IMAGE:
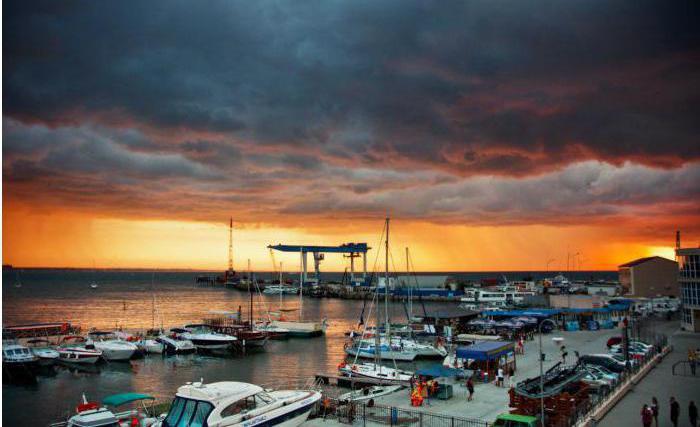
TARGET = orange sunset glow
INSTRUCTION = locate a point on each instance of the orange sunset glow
(488, 151)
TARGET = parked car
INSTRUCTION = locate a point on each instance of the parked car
(597, 382)
(609, 361)
(600, 370)
(515, 420)
(614, 341)
(634, 353)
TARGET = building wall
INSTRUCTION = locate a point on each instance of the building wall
(575, 301)
(625, 278)
(610, 291)
(689, 281)
(655, 277)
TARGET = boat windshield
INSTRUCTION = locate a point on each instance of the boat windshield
(188, 413)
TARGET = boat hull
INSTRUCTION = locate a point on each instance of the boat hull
(300, 329)
(385, 355)
(78, 357)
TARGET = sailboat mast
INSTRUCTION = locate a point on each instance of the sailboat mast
(230, 244)
(301, 283)
(386, 281)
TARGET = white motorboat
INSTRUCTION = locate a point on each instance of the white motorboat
(18, 359)
(112, 348)
(238, 404)
(174, 344)
(204, 338)
(402, 346)
(280, 289)
(151, 346)
(379, 372)
(300, 329)
(369, 393)
(93, 414)
(94, 285)
(75, 350)
(43, 350)
(367, 350)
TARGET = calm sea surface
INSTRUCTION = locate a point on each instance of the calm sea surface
(126, 299)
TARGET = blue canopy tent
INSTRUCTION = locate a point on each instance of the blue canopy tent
(487, 354)
(438, 370)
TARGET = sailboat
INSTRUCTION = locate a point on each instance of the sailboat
(299, 328)
(18, 282)
(376, 370)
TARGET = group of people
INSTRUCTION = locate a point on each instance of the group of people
(650, 413)
(422, 389)
(503, 374)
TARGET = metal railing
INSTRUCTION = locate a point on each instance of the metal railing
(683, 368)
(365, 414)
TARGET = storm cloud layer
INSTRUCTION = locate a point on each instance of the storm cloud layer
(491, 112)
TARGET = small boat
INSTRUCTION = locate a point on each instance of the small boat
(94, 285)
(301, 329)
(379, 372)
(95, 415)
(367, 350)
(18, 359)
(280, 289)
(75, 350)
(150, 346)
(204, 338)
(238, 404)
(369, 393)
(175, 345)
(112, 348)
(273, 332)
(43, 350)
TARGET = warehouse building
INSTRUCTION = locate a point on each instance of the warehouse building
(649, 277)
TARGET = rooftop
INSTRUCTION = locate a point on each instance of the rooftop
(643, 260)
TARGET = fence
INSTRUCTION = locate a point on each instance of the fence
(352, 413)
(604, 395)
(684, 368)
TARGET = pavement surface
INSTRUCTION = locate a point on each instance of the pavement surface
(489, 401)
(662, 384)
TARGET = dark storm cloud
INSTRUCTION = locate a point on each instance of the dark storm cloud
(424, 83)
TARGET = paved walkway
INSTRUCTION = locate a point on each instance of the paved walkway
(489, 400)
(662, 384)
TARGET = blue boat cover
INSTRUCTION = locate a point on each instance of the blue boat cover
(124, 398)
(438, 370)
(539, 313)
(485, 350)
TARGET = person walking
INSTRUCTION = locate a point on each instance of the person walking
(691, 360)
(470, 388)
(499, 378)
(693, 414)
(675, 411)
(655, 411)
(646, 415)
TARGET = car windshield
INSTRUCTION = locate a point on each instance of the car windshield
(187, 413)
(618, 358)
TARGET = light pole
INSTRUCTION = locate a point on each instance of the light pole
(539, 328)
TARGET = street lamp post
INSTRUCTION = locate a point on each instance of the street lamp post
(539, 328)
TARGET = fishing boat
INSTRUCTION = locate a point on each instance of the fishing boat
(74, 349)
(204, 338)
(112, 348)
(369, 393)
(43, 350)
(238, 404)
(174, 344)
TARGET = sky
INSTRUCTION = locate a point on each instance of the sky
(497, 135)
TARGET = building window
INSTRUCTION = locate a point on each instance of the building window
(687, 316)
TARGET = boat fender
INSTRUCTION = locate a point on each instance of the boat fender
(341, 365)
(354, 367)
(135, 422)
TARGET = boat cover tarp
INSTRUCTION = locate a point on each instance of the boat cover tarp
(486, 350)
(438, 370)
(124, 398)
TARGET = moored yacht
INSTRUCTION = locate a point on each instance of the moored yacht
(174, 344)
(379, 372)
(43, 350)
(75, 349)
(238, 404)
(367, 349)
(18, 359)
(204, 338)
(112, 348)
